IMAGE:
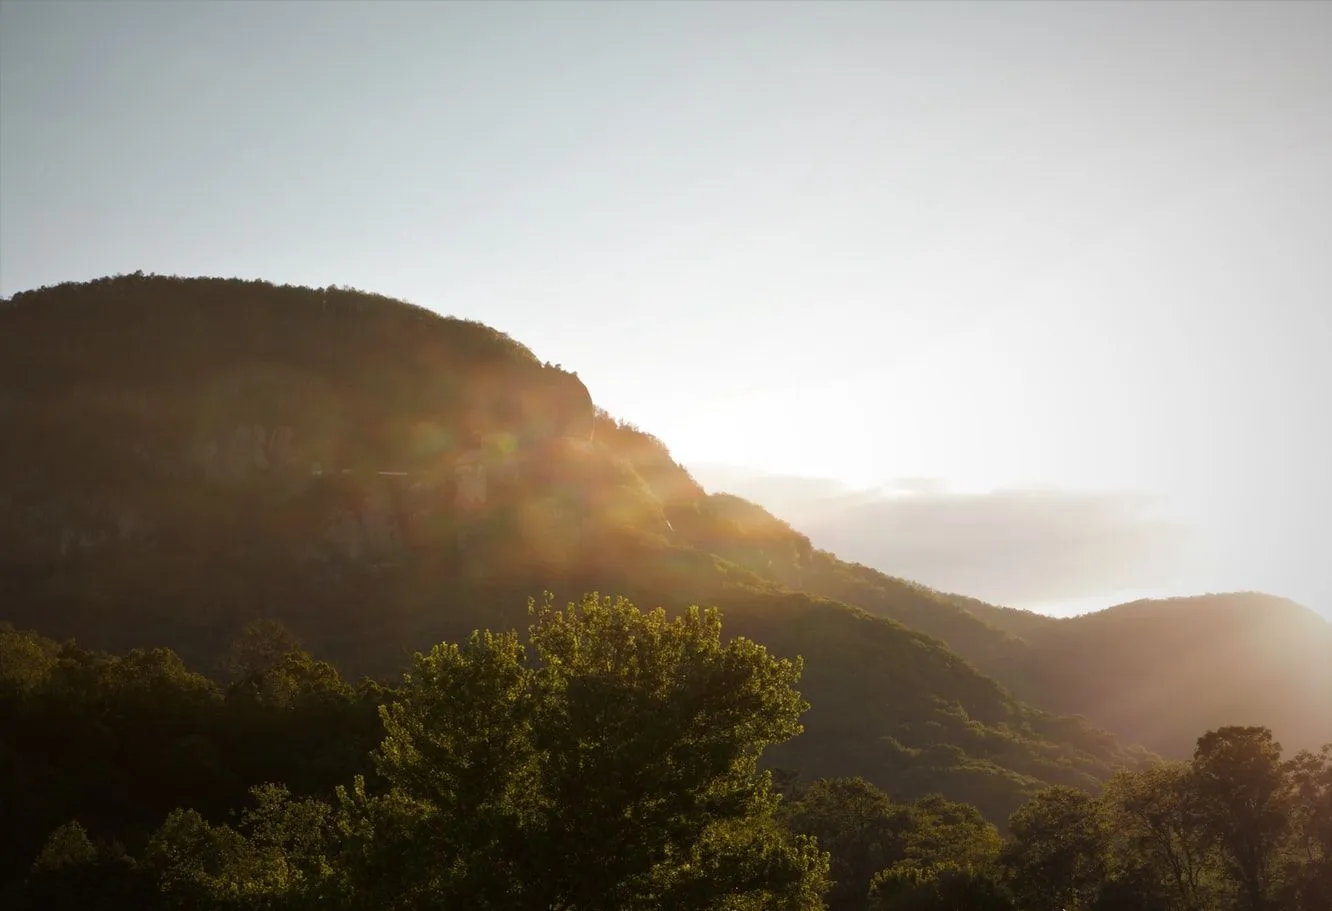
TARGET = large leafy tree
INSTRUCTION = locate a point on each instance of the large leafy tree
(1309, 873)
(1157, 820)
(1057, 852)
(1246, 800)
(938, 887)
(72, 873)
(861, 828)
(946, 832)
(908, 848)
(611, 763)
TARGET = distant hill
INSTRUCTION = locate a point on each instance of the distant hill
(1150, 672)
(184, 456)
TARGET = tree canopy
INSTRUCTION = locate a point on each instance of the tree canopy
(609, 758)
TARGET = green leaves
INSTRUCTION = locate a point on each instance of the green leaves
(886, 855)
(278, 858)
(1309, 868)
(68, 846)
(1157, 819)
(604, 768)
(610, 764)
(1057, 852)
(1235, 829)
(939, 887)
(1245, 798)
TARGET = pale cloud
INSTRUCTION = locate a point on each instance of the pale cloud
(1023, 547)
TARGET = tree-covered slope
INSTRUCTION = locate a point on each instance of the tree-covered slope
(1149, 672)
(190, 455)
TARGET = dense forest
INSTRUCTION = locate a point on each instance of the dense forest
(199, 474)
(611, 758)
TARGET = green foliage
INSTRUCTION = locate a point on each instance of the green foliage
(259, 648)
(914, 718)
(608, 760)
(1236, 829)
(1058, 851)
(616, 767)
(956, 832)
(73, 873)
(1307, 872)
(860, 827)
(25, 660)
(68, 846)
(1157, 817)
(939, 887)
(276, 860)
(1244, 794)
(668, 480)
(873, 840)
(613, 757)
(115, 743)
(116, 534)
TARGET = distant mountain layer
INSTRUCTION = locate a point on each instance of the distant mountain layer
(1152, 672)
(185, 455)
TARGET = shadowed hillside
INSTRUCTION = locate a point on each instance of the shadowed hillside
(191, 455)
(1148, 671)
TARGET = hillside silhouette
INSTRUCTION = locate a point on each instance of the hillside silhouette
(238, 497)
(1148, 671)
(192, 455)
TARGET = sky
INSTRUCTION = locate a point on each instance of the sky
(987, 264)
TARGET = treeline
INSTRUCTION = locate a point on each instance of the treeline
(118, 742)
(1237, 827)
(610, 759)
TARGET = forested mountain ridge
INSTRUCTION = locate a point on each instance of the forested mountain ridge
(612, 766)
(191, 455)
(1223, 658)
(1242, 657)
(188, 456)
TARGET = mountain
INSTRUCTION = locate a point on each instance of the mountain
(188, 455)
(1150, 672)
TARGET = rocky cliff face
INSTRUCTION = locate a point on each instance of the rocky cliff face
(246, 451)
(146, 411)
(330, 513)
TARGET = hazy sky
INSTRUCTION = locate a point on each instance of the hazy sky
(1081, 246)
